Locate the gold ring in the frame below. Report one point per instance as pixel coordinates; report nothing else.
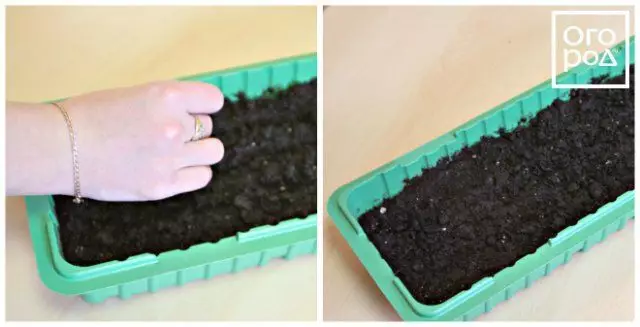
(199, 132)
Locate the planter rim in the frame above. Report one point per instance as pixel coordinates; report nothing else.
(350, 200)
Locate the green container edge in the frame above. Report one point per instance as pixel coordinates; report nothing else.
(343, 207)
(149, 273)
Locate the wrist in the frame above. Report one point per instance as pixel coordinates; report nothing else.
(39, 157)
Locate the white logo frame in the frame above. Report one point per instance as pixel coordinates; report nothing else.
(555, 14)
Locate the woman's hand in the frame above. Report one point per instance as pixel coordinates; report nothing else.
(134, 143)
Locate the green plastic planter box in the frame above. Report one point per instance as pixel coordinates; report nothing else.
(348, 202)
(150, 273)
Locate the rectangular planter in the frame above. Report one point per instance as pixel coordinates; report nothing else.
(348, 202)
(150, 273)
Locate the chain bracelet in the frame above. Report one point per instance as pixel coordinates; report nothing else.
(74, 151)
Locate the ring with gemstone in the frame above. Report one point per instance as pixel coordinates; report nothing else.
(199, 130)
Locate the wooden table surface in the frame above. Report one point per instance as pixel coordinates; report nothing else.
(395, 78)
(58, 52)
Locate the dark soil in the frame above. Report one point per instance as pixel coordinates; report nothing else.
(492, 203)
(268, 175)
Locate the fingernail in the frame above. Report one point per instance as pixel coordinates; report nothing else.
(219, 150)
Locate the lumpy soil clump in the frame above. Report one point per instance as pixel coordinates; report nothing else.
(268, 175)
(492, 203)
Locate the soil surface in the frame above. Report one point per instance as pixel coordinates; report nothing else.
(268, 175)
(492, 203)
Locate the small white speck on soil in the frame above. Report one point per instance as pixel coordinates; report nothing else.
(282, 188)
(383, 210)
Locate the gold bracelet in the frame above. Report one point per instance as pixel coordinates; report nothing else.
(74, 150)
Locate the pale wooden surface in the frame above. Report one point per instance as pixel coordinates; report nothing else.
(57, 52)
(398, 77)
